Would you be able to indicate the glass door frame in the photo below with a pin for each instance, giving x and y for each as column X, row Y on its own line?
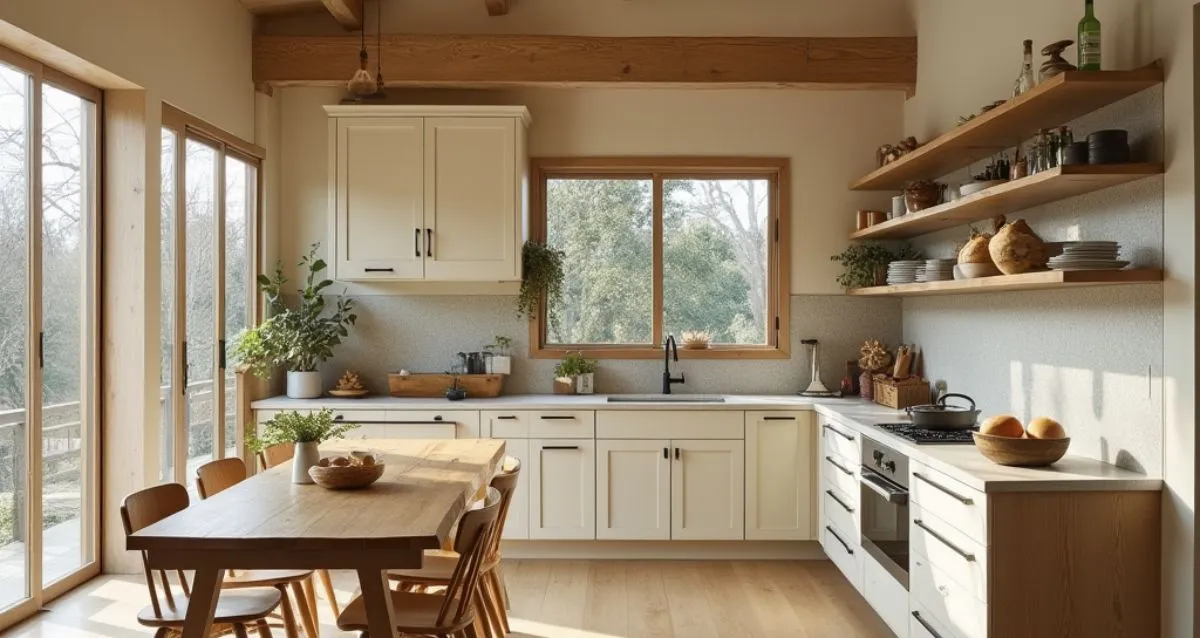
column 89, row 471
column 187, row 127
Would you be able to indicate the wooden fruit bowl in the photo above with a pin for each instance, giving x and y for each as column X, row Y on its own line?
column 350, row 477
column 1003, row 450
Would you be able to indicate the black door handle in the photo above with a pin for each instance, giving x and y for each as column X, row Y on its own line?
column 379, row 269
column 417, row 241
column 560, row 447
column 779, row 418
column 507, row 417
column 428, row 242
column 665, row 455
column 676, row 454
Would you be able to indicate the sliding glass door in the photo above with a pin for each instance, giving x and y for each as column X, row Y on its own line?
column 49, row 178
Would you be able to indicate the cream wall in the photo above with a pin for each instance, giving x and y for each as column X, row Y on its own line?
column 969, row 54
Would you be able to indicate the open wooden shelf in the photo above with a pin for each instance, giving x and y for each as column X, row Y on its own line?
column 1052, row 103
column 1003, row 199
column 1047, row 280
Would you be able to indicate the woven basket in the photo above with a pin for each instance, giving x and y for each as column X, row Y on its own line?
column 350, row 477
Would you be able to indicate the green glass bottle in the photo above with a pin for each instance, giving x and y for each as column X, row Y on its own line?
column 1089, row 40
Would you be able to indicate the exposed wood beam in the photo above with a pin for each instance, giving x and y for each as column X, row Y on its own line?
column 348, row 13
column 497, row 7
column 508, row 60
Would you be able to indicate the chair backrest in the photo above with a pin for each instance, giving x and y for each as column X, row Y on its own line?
column 506, row 483
column 475, row 531
column 275, row 455
column 143, row 509
column 215, row 477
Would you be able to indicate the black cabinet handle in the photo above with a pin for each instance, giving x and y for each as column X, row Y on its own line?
column 676, row 454
column 42, row 351
column 925, row 623
column 849, row 510
column 428, row 242
column 838, row 432
column 967, row 556
column 560, row 447
column 945, row 490
column 845, row 470
column 184, row 362
column 557, row 418
column 665, row 454
column 779, row 418
column 221, row 352
column 839, row 539
column 417, row 242
column 379, row 269
column 436, row 421
column 340, row 417
column 507, row 417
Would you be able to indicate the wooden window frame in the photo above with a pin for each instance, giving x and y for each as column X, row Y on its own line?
column 777, row 170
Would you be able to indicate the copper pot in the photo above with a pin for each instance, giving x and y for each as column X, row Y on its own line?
column 923, row 194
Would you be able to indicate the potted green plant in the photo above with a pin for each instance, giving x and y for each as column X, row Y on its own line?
column 296, row 339
column 866, row 264
column 542, row 281
column 575, row 375
column 306, row 431
column 498, row 355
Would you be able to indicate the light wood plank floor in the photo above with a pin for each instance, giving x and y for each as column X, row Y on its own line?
column 574, row 599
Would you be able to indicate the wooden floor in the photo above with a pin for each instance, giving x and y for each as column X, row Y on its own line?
column 575, row 599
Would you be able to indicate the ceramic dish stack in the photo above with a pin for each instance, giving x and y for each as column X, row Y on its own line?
column 1088, row 255
column 937, row 270
column 904, row 271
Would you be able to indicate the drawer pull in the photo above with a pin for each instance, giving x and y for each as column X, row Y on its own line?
column 508, row 417
column 838, row 432
column 553, row 417
column 379, row 270
column 925, row 623
column 839, row 539
column 434, row 422
column 560, row 447
column 779, row 418
column 849, row 510
column 945, row 541
column 845, row 470
column 955, row 495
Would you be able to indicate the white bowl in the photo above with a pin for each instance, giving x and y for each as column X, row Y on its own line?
column 974, row 271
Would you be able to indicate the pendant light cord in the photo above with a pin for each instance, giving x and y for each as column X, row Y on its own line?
column 378, row 45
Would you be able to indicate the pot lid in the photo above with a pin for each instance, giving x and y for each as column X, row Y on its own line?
column 941, row 406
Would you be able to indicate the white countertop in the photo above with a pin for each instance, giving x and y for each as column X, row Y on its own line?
column 961, row 462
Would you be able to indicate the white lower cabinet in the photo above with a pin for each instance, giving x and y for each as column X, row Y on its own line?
column 886, row 595
column 843, row 550
column 633, row 490
column 516, row 523
column 780, row 476
column 708, row 490
column 562, row 489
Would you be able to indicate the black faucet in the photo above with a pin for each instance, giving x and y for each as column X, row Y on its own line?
column 669, row 350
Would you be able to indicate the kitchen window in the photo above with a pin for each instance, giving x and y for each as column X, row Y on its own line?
column 665, row 246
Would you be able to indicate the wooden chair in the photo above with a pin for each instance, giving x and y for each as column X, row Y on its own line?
column 450, row 614
column 237, row 610
column 269, row 458
column 217, row 476
column 438, row 567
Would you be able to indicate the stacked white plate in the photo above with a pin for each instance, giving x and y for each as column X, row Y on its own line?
column 905, row 271
column 937, row 270
column 1089, row 255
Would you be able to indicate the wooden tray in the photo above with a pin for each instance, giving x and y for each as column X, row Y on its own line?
column 428, row 385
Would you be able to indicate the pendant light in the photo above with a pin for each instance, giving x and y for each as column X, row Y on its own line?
column 362, row 85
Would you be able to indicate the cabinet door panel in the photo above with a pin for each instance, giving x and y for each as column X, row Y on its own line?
column 471, row 198
column 633, row 479
column 708, row 490
column 780, row 475
column 516, row 524
column 380, row 206
column 562, row 483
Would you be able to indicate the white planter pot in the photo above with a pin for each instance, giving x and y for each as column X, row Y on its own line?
column 500, row 364
column 303, row 385
column 306, row 456
column 585, row 383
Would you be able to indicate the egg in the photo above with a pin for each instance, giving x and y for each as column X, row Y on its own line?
column 1046, row 428
column 1005, row 425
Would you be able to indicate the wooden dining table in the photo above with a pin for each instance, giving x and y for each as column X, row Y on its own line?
column 267, row 522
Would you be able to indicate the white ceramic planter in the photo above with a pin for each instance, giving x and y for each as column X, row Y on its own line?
column 303, row 385
column 585, row 383
column 306, row 456
column 500, row 364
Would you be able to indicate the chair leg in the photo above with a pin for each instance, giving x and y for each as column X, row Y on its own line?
column 498, row 574
column 264, row 629
column 239, row 630
column 162, row 632
column 327, row 584
column 306, row 612
column 471, row 632
column 289, row 618
column 499, row 600
column 310, row 593
column 487, row 609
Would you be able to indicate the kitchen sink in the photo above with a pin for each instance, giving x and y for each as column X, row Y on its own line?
column 665, row 398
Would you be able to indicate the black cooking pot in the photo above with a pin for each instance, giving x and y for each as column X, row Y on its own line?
column 940, row 416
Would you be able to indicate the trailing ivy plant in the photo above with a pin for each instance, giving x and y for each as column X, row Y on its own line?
column 864, row 263
column 543, row 280
column 299, row 338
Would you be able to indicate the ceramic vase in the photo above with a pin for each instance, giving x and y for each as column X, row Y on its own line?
column 585, row 383
column 306, row 456
column 303, row 385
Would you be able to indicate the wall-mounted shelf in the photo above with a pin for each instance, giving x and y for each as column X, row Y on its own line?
column 1048, row 280
column 1035, row 190
column 1052, row 103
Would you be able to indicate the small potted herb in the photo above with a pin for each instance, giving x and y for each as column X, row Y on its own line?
column 306, row 431
column 574, row 375
column 499, row 355
column 865, row 265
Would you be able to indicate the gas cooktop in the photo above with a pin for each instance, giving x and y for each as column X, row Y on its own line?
column 910, row 432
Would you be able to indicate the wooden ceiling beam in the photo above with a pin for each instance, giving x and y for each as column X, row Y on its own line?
column 497, row 7
column 348, row 13
column 535, row 60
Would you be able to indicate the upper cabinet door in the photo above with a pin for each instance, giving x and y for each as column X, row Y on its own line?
column 780, row 476
column 472, row 199
column 379, row 175
column 708, row 498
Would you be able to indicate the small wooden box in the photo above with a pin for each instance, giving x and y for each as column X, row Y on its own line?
column 427, row 385
column 900, row 394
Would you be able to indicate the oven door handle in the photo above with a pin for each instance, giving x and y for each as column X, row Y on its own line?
column 880, row 487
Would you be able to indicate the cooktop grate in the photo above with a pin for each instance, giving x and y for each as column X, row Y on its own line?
column 910, row 432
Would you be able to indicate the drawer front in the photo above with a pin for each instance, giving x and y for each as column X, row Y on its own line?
column 885, row 594
column 842, row 476
column 844, row 552
column 501, row 424
column 951, row 605
column 952, row 552
column 839, row 509
column 357, row 416
column 670, row 424
column 444, row 430
column 466, row 421
column 562, row 424
column 922, row 624
column 840, row 441
column 962, row 507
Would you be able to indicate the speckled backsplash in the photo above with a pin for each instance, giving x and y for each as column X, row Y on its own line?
column 422, row 333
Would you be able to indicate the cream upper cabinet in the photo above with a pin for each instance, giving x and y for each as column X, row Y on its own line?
column 633, row 490
column 708, row 495
column 780, row 476
column 427, row 193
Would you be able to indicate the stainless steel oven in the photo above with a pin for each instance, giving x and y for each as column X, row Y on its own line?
column 884, row 521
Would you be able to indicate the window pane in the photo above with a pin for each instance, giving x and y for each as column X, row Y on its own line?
column 200, row 177
column 605, row 227
column 14, row 331
column 240, row 200
column 715, row 269
column 167, row 389
column 68, row 183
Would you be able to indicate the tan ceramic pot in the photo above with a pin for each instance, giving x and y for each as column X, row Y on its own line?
column 1016, row 249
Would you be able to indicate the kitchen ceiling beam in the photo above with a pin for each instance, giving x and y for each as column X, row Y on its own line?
column 348, row 13
column 497, row 7
column 539, row 60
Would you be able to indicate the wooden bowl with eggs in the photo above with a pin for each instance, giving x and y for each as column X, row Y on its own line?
column 354, row 471
column 1004, row 441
